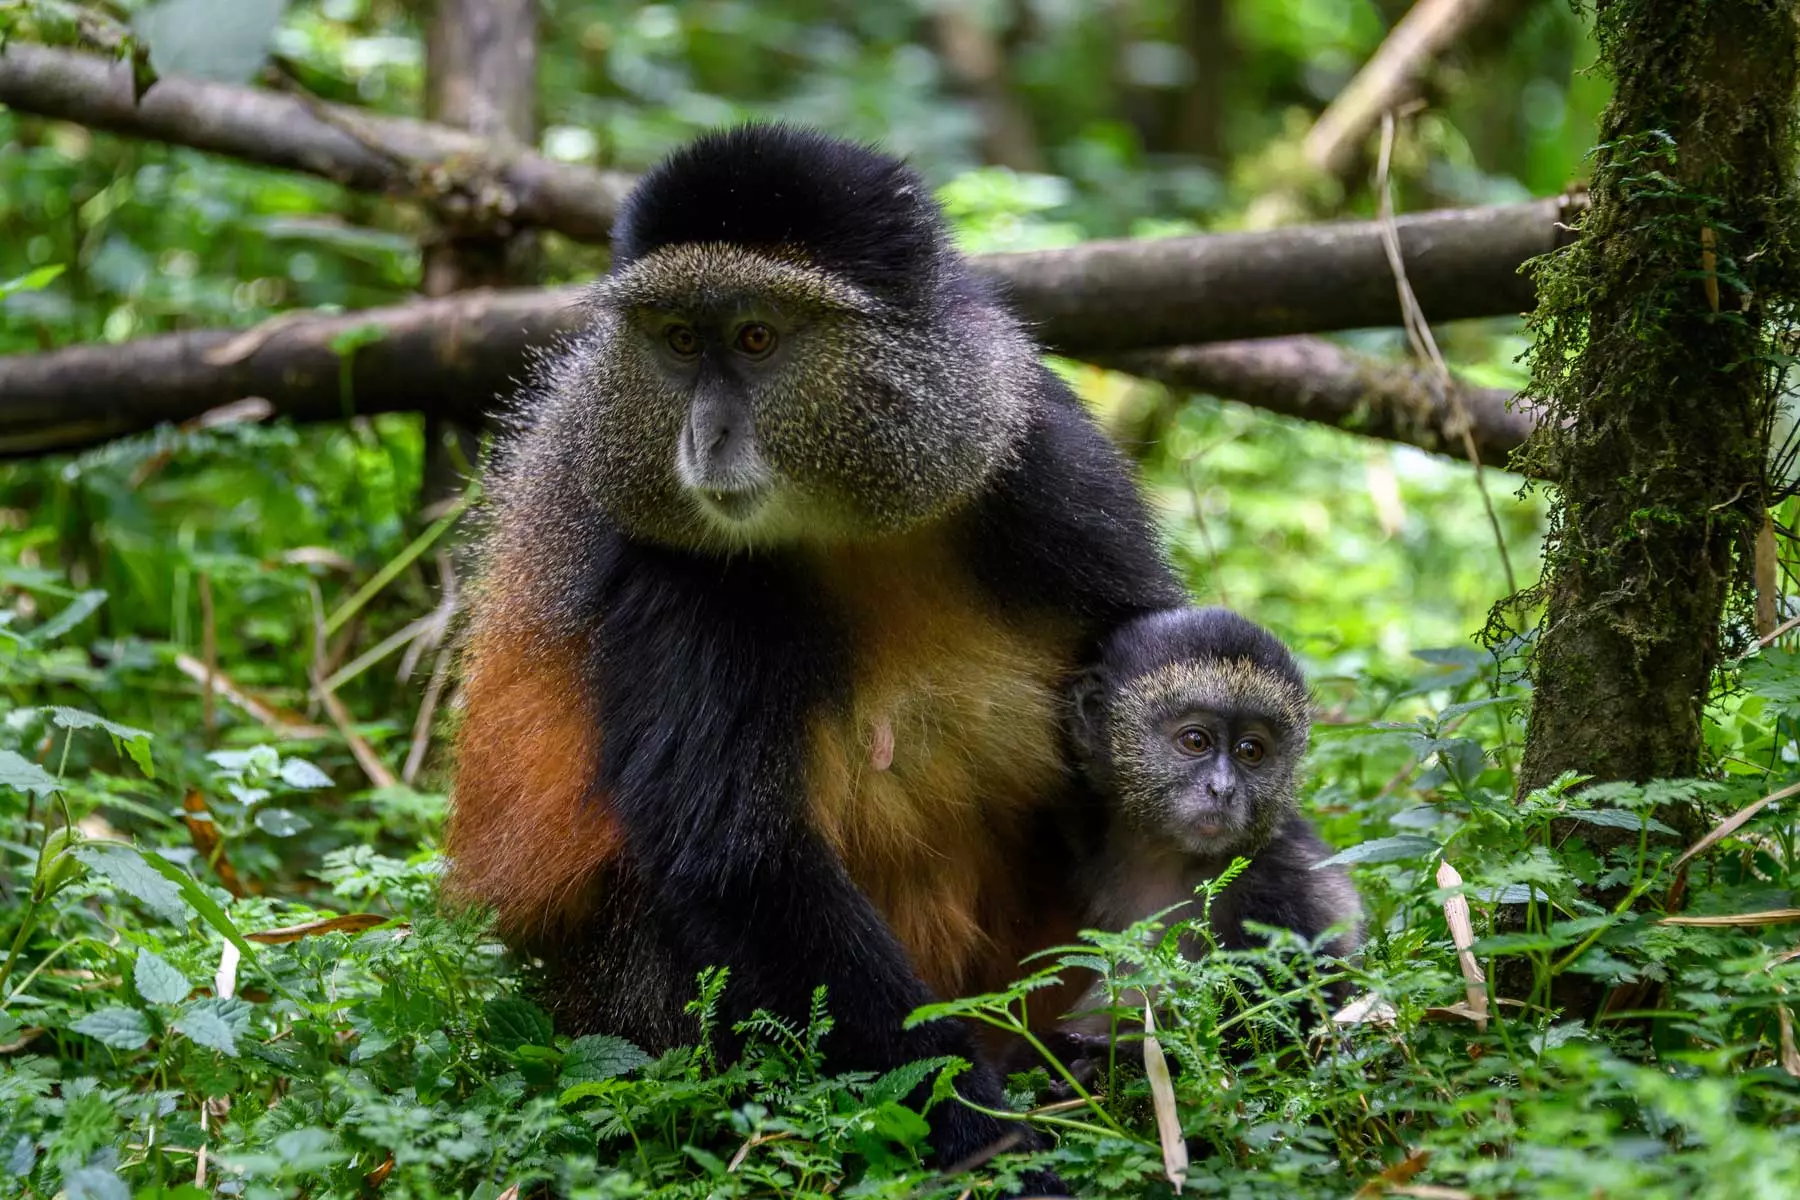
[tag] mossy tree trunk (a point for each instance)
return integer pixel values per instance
(1656, 358)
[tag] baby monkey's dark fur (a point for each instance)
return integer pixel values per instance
(1190, 727)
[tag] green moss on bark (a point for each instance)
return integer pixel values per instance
(1655, 361)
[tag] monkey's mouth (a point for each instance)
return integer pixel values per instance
(732, 503)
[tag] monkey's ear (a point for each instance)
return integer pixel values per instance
(1086, 711)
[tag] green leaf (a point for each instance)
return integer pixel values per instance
(1387, 849)
(157, 981)
(216, 1024)
(223, 40)
(73, 614)
(202, 901)
(119, 1027)
(301, 775)
(281, 822)
(23, 775)
(31, 281)
(514, 1022)
(1617, 818)
(94, 1183)
(899, 1083)
(135, 741)
(601, 1056)
(1563, 933)
(132, 874)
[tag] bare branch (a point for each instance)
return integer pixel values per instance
(453, 356)
(1316, 380)
(357, 148)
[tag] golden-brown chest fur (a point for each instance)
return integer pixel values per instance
(928, 783)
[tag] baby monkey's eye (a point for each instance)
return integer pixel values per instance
(755, 339)
(1194, 740)
(1250, 750)
(682, 340)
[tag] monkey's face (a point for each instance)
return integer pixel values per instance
(733, 401)
(1203, 755)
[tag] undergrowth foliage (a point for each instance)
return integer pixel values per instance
(226, 974)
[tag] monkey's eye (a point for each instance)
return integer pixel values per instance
(682, 340)
(755, 339)
(1250, 750)
(1194, 740)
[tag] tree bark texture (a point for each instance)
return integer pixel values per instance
(480, 75)
(1653, 363)
(463, 178)
(1315, 380)
(1108, 296)
(457, 355)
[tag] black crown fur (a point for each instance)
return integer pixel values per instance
(1143, 645)
(845, 208)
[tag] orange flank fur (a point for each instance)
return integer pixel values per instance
(527, 835)
(925, 784)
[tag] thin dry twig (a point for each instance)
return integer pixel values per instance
(276, 719)
(1749, 920)
(1733, 823)
(1424, 343)
(365, 755)
(348, 923)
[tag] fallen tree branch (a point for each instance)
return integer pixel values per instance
(453, 356)
(1315, 380)
(464, 178)
(1107, 296)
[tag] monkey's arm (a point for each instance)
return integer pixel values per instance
(711, 672)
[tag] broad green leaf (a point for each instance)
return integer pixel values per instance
(216, 1024)
(224, 40)
(299, 774)
(1387, 849)
(157, 981)
(127, 867)
(94, 1183)
(119, 1027)
(1617, 818)
(23, 775)
(514, 1022)
(281, 822)
(601, 1056)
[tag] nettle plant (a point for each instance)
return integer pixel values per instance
(227, 975)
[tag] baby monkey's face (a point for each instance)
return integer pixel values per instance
(1214, 783)
(1199, 764)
